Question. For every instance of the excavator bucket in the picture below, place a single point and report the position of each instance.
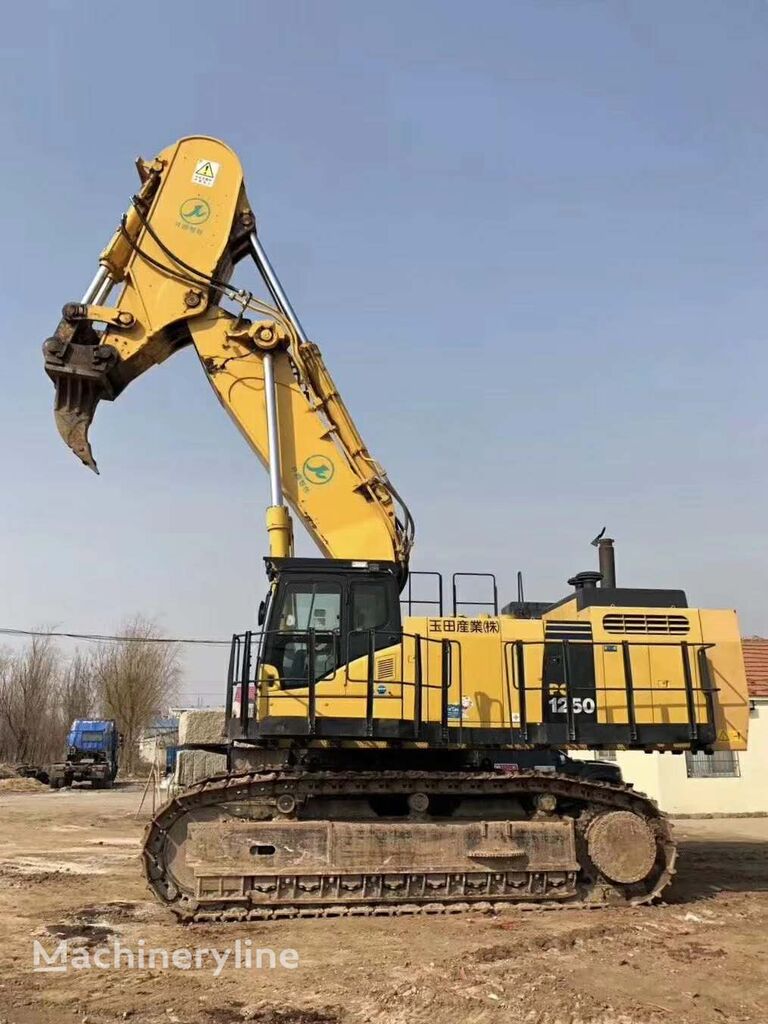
(80, 373)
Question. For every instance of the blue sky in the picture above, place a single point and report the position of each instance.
(529, 237)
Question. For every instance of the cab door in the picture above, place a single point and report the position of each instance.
(305, 625)
(328, 620)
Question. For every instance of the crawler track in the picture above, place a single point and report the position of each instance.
(608, 824)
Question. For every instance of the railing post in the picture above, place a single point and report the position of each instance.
(520, 655)
(369, 692)
(445, 685)
(312, 694)
(626, 655)
(461, 690)
(230, 681)
(567, 682)
(245, 684)
(693, 728)
(417, 694)
(705, 681)
(509, 665)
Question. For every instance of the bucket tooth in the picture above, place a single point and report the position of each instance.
(81, 374)
(74, 408)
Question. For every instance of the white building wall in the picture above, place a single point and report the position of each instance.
(747, 794)
(644, 771)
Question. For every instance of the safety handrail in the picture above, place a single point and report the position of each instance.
(242, 672)
(514, 656)
(697, 686)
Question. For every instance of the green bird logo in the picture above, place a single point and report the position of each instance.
(321, 471)
(195, 211)
(318, 469)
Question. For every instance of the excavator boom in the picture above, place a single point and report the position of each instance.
(170, 263)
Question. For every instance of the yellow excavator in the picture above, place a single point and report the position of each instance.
(382, 747)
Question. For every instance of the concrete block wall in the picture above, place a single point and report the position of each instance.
(204, 727)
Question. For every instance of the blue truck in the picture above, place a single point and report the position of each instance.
(92, 745)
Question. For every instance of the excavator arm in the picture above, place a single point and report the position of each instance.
(170, 263)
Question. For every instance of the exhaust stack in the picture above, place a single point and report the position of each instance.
(607, 560)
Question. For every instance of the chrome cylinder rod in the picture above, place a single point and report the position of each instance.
(103, 293)
(95, 286)
(276, 290)
(273, 430)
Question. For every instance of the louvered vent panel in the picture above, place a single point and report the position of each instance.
(565, 630)
(635, 623)
(385, 668)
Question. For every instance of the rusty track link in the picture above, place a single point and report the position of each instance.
(269, 783)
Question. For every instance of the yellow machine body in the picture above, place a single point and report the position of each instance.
(483, 680)
(171, 262)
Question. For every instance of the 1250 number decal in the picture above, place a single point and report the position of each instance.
(579, 705)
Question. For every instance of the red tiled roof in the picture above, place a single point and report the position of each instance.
(756, 663)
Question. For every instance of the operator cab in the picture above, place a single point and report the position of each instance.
(323, 613)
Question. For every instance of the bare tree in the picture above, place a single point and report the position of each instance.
(29, 690)
(135, 679)
(77, 691)
(6, 739)
(131, 680)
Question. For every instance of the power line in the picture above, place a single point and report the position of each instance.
(110, 638)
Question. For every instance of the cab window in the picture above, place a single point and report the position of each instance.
(310, 606)
(369, 606)
(304, 607)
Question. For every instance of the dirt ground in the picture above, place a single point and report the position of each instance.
(69, 869)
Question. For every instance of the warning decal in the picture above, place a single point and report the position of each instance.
(205, 172)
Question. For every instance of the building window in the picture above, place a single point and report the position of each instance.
(723, 764)
(605, 755)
